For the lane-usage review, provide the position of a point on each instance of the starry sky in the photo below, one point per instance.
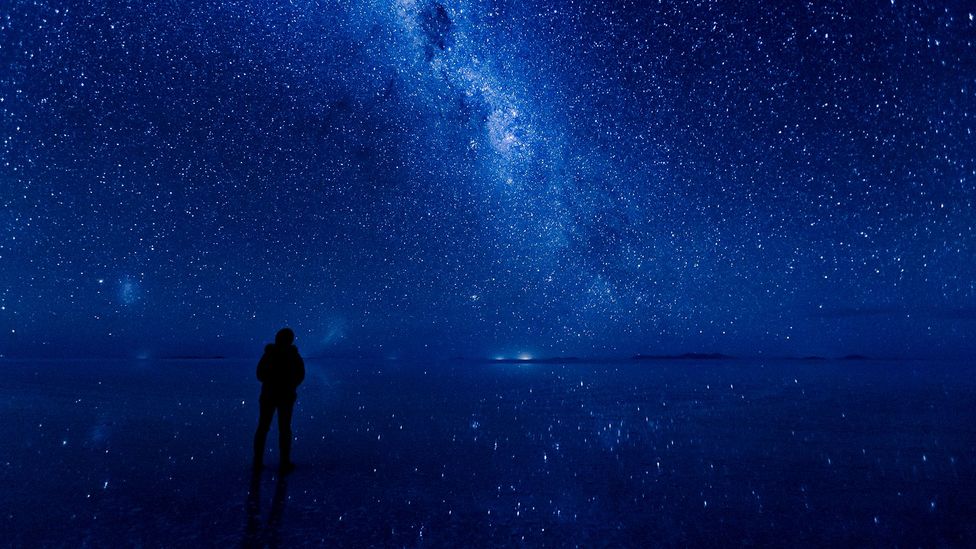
(487, 178)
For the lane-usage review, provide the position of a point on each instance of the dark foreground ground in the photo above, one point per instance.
(429, 455)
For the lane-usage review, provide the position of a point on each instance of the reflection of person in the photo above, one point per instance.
(280, 371)
(268, 534)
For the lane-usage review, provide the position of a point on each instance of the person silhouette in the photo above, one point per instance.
(281, 370)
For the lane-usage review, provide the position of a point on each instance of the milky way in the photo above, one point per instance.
(487, 178)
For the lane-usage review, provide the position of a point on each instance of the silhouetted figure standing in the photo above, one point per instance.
(280, 371)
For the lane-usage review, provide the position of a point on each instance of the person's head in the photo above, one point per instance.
(284, 337)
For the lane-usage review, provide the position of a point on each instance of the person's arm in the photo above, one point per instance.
(299, 369)
(263, 366)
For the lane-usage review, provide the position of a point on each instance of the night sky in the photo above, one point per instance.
(400, 178)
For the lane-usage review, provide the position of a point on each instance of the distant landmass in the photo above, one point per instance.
(564, 359)
(685, 356)
(817, 358)
(553, 360)
(682, 356)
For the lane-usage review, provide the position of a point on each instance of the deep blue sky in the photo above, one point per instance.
(397, 177)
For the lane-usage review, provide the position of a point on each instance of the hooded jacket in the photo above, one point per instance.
(281, 370)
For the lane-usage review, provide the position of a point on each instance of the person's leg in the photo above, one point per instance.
(284, 431)
(261, 435)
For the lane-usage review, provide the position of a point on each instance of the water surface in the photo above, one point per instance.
(156, 452)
